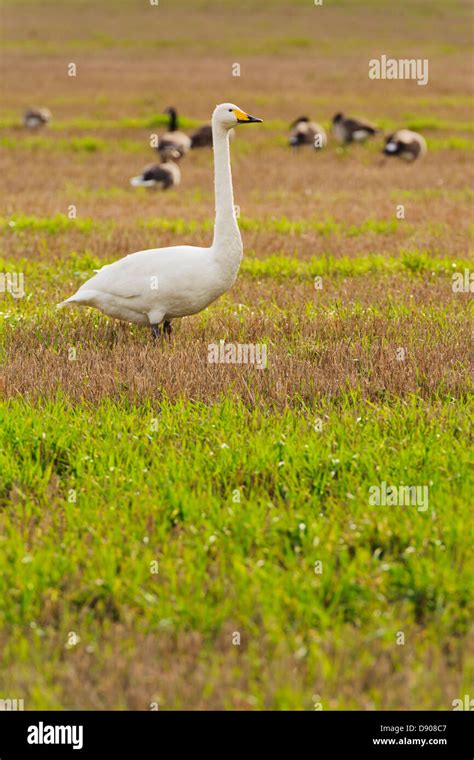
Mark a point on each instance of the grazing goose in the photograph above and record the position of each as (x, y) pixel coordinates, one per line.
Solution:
(34, 118)
(155, 286)
(306, 132)
(173, 144)
(202, 137)
(405, 144)
(347, 130)
(162, 175)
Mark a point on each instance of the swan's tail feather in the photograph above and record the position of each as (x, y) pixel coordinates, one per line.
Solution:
(81, 297)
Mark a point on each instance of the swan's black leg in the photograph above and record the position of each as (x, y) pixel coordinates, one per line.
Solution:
(155, 331)
(167, 329)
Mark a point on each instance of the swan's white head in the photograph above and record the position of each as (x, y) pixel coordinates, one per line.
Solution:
(228, 115)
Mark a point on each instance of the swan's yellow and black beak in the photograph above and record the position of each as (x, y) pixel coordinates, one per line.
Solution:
(245, 118)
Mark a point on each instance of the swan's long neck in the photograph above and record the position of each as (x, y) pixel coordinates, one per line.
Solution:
(227, 244)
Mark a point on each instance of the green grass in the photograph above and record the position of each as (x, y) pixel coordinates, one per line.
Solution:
(238, 497)
(89, 144)
(40, 272)
(421, 123)
(72, 144)
(449, 143)
(180, 226)
(460, 195)
(52, 225)
(236, 528)
(283, 226)
(282, 267)
(321, 227)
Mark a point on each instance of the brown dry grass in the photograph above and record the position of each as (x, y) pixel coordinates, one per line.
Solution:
(170, 671)
(333, 350)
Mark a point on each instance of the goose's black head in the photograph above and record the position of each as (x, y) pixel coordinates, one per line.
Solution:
(172, 113)
(337, 118)
(297, 121)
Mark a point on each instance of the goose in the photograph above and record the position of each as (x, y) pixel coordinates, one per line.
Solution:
(306, 132)
(164, 175)
(173, 144)
(154, 287)
(202, 137)
(36, 117)
(347, 130)
(405, 144)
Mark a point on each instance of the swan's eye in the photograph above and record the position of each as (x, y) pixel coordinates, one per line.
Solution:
(230, 110)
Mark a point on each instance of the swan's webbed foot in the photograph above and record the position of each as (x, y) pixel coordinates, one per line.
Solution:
(155, 331)
(167, 329)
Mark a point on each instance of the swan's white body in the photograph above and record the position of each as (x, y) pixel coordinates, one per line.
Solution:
(158, 285)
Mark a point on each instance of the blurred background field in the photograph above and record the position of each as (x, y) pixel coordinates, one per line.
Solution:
(236, 481)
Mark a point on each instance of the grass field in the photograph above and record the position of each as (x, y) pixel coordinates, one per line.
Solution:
(182, 534)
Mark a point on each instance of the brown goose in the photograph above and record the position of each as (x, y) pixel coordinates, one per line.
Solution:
(164, 176)
(173, 144)
(347, 130)
(405, 144)
(33, 118)
(306, 132)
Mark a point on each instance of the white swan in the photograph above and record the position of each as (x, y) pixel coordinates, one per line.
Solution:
(155, 286)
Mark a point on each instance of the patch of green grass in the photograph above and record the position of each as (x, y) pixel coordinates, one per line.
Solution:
(459, 195)
(52, 225)
(280, 45)
(283, 267)
(40, 271)
(87, 123)
(449, 143)
(420, 123)
(180, 226)
(85, 144)
(53, 47)
(282, 226)
(323, 227)
(91, 144)
(236, 506)
(74, 144)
